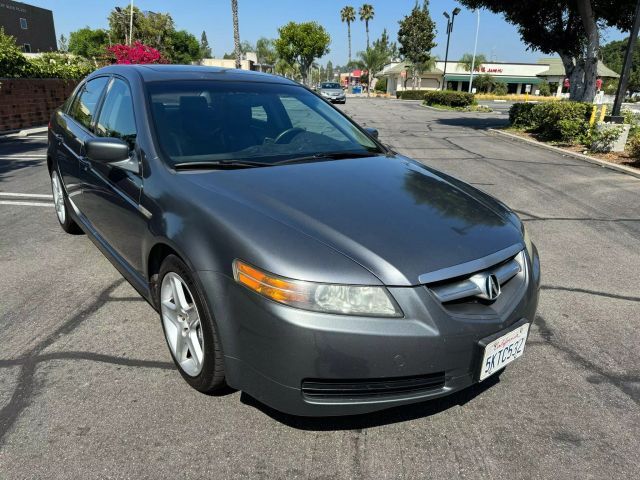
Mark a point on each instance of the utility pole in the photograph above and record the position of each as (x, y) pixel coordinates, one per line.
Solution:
(131, 25)
(626, 69)
(475, 48)
(450, 19)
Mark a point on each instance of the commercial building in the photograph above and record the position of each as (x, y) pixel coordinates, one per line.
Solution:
(31, 26)
(518, 77)
(248, 62)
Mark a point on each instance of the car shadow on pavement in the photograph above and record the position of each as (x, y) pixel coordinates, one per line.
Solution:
(399, 414)
(473, 122)
(6, 167)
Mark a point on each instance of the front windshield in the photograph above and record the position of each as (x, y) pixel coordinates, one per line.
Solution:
(214, 121)
(330, 86)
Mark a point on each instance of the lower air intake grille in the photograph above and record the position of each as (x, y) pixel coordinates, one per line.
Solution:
(370, 388)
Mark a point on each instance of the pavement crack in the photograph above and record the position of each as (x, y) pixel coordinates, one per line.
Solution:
(592, 292)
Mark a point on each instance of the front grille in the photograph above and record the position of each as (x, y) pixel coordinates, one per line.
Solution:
(470, 287)
(370, 388)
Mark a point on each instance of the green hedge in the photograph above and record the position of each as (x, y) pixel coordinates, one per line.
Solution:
(449, 98)
(436, 97)
(562, 120)
(411, 94)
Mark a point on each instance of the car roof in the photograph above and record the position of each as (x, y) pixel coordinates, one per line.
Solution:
(159, 72)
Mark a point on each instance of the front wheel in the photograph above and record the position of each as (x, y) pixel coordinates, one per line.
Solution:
(60, 202)
(189, 328)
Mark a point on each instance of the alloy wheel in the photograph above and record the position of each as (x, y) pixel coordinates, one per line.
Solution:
(182, 326)
(58, 197)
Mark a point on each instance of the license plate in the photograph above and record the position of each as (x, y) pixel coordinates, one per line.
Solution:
(503, 350)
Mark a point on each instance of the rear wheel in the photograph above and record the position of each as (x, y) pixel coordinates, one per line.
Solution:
(189, 328)
(61, 203)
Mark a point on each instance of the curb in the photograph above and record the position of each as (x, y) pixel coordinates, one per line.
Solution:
(611, 166)
(492, 112)
(22, 133)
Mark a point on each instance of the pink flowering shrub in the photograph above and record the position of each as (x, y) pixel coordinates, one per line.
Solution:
(136, 53)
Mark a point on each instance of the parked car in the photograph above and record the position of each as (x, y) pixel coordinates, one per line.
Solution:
(289, 253)
(333, 92)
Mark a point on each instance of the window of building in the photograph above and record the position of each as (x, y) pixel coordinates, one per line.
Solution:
(26, 47)
(116, 117)
(84, 108)
(23, 24)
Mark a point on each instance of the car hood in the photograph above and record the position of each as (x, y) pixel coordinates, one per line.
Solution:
(393, 216)
(332, 91)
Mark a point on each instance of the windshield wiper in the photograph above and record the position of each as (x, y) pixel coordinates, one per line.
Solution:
(328, 156)
(218, 165)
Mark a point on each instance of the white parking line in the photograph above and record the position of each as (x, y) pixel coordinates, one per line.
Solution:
(29, 195)
(29, 204)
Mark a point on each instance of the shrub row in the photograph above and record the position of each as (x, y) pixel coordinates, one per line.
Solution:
(436, 97)
(449, 98)
(565, 121)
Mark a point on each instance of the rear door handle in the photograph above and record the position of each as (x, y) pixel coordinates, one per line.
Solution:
(85, 164)
(59, 138)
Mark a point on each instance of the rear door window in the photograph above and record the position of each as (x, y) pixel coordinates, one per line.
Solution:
(86, 103)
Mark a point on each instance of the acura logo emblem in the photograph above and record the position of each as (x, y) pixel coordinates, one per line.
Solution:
(491, 287)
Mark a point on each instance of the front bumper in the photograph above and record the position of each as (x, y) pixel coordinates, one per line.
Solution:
(271, 349)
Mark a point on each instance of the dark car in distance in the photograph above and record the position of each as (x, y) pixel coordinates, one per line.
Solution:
(289, 253)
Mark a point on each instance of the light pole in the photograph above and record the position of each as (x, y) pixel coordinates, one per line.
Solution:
(131, 25)
(122, 14)
(475, 48)
(450, 19)
(626, 68)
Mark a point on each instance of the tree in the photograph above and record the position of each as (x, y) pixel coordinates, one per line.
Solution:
(484, 83)
(266, 51)
(63, 44)
(149, 28)
(301, 44)
(89, 43)
(329, 70)
(348, 16)
(386, 45)
(569, 28)
(184, 48)
(416, 37)
(236, 33)
(205, 49)
(467, 59)
(366, 13)
(372, 60)
(613, 57)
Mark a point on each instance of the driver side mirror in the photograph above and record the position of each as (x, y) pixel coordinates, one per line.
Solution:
(112, 151)
(372, 131)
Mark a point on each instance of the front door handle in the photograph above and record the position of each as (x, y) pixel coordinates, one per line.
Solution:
(59, 138)
(85, 164)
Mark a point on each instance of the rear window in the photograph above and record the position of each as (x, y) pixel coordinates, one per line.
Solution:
(199, 121)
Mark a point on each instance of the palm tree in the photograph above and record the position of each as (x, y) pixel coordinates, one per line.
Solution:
(467, 59)
(348, 15)
(236, 33)
(372, 60)
(366, 13)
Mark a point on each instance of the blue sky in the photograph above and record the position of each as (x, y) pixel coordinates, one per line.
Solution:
(498, 40)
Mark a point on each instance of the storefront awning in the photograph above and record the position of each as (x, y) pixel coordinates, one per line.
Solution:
(496, 78)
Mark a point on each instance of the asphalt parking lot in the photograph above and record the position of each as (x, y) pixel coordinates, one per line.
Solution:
(88, 390)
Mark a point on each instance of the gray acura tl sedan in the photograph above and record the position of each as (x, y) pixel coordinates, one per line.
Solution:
(289, 253)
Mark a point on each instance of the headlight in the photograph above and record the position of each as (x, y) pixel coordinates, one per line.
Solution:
(371, 301)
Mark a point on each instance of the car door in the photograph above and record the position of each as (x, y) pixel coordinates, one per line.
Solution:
(111, 194)
(72, 128)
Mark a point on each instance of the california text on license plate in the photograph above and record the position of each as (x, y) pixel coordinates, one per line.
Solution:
(503, 351)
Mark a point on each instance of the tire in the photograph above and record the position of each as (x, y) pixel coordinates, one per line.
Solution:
(206, 373)
(61, 204)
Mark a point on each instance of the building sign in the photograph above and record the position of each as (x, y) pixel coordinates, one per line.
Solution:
(13, 7)
(484, 69)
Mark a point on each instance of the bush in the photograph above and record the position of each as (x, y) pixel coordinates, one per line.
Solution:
(500, 88)
(449, 98)
(12, 62)
(547, 118)
(545, 89)
(565, 121)
(411, 94)
(633, 145)
(58, 65)
(601, 138)
(381, 85)
(520, 115)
